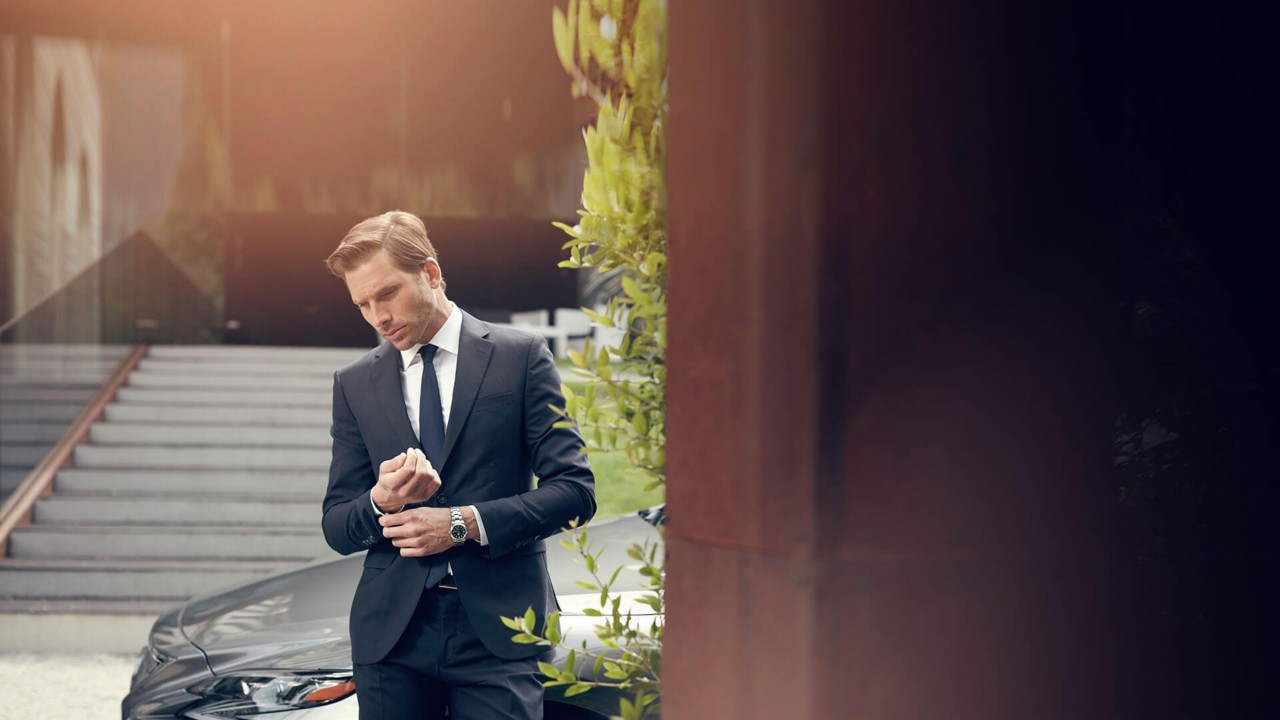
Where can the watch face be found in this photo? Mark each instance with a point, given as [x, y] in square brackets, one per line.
[458, 533]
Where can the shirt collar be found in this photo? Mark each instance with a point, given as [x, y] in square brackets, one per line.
[446, 338]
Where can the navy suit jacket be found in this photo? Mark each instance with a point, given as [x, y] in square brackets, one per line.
[501, 434]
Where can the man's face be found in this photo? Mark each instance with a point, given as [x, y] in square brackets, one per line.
[402, 306]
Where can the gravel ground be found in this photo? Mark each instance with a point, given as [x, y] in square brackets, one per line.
[63, 687]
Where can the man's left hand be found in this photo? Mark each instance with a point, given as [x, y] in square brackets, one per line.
[418, 532]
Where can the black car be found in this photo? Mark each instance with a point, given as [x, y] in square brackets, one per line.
[278, 647]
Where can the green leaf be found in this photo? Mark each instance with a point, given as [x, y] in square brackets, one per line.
[548, 669]
[576, 689]
[530, 619]
[563, 41]
[552, 630]
[602, 320]
[630, 287]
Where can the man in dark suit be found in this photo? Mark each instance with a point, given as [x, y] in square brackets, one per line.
[438, 434]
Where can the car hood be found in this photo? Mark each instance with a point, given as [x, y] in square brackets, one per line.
[298, 618]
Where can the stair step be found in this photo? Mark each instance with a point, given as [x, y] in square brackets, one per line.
[24, 411]
[11, 478]
[33, 394]
[255, 354]
[159, 456]
[26, 611]
[52, 378]
[192, 436]
[141, 379]
[24, 455]
[192, 496]
[167, 542]
[218, 415]
[54, 579]
[126, 510]
[61, 352]
[211, 482]
[309, 368]
[23, 365]
[306, 398]
[31, 432]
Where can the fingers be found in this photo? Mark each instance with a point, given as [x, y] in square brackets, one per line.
[423, 465]
[393, 464]
[414, 533]
[407, 478]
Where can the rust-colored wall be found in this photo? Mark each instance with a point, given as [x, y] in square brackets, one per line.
[887, 418]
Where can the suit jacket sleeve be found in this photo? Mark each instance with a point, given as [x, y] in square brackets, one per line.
[566, 486]
[349, 523]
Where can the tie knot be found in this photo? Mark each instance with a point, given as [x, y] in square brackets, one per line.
[428, 352]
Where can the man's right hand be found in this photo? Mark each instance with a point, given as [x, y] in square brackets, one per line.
[405, 478]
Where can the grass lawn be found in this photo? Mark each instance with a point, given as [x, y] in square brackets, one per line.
[619, 487]
[568, 376]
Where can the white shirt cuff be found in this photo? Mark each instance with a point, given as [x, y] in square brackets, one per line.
[484, 538]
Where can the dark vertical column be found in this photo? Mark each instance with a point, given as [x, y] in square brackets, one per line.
[888, 426]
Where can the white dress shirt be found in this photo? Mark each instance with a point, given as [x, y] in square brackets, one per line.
[445, 365]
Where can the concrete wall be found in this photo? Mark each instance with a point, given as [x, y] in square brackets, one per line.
[56, 206]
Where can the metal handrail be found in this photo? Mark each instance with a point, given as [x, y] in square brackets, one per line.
[17, 510]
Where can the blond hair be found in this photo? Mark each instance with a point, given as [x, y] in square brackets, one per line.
[401, 234]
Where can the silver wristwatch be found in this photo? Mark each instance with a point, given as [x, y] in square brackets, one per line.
[457, 528]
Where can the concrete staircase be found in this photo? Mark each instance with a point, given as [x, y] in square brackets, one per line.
[42, 389]
[208, 469]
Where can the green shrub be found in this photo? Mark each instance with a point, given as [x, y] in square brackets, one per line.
[615, 53]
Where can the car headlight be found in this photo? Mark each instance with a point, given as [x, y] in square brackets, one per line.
[233, 697]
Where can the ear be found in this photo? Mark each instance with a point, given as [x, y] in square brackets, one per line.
[433, 271]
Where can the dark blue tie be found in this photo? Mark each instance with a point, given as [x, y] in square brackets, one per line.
[431, 433]
[430, 412]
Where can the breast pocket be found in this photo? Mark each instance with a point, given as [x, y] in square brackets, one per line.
[492, 402]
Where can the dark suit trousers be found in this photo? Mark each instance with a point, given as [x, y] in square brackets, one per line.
[440, 662]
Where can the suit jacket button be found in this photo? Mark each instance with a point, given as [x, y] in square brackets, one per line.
[442, 499]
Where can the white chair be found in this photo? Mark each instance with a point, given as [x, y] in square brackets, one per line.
[529, 317]
[536, 321]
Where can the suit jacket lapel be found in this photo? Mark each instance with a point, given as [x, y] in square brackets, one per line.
[390, 393]
[474, 349]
